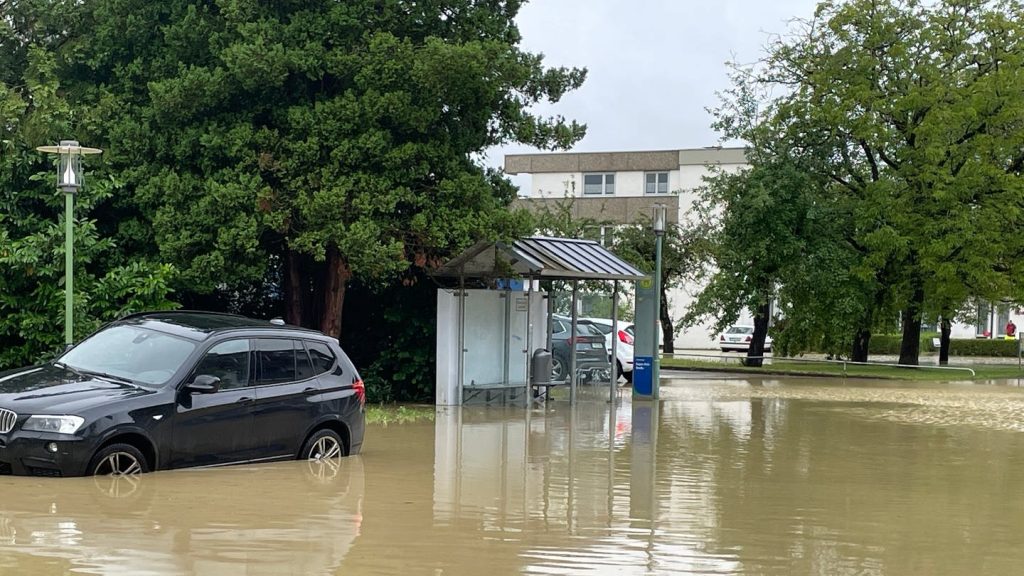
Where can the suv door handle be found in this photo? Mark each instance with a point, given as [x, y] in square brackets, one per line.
[244, 400]
[310, 390]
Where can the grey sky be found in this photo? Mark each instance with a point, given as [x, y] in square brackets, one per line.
[653, 65]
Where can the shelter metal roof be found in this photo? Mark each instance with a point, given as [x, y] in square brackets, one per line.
[541, 257]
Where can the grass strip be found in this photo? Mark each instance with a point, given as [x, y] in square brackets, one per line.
[386, 414]
[795, 367]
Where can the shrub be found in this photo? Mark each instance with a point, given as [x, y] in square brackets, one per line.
[889, 345]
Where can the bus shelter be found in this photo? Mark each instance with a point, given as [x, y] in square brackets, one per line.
[496, 322]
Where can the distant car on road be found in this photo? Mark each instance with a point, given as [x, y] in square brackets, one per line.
[624, 349]
[177, 389]
[737, 339]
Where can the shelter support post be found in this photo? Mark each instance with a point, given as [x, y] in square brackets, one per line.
[462, 334]
[613, 384]
[529, 342]
[572, 343]
[550, 328]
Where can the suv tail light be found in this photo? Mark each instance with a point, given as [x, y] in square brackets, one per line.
[625, 338]
[721, 338]
[360, 389]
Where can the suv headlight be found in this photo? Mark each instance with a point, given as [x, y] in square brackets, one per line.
[58, 424]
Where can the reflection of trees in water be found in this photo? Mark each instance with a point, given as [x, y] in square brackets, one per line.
[273, 519]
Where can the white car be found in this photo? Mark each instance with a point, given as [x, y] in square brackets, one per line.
[624, 350]
[737, 339]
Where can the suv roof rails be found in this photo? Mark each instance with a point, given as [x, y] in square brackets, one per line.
[151, 312]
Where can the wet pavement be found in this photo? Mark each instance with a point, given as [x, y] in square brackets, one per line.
[724, 476]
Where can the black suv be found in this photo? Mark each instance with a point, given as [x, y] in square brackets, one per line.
[167, 390]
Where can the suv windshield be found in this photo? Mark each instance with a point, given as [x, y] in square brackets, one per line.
[129, 352]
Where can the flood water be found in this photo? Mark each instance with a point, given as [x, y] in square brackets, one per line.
[724, 476]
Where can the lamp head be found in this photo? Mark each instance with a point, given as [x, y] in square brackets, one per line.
[660, 216]
[69, 164]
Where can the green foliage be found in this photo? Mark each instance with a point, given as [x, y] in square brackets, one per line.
[889, 344]
[387, 414]
[885, 146]
[340, 135]
[32, 237]
[912, 112]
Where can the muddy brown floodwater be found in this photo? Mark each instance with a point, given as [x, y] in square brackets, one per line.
[724, 476]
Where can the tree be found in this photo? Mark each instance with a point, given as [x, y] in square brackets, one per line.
[315, 141]
[33, 112]
[916, 110]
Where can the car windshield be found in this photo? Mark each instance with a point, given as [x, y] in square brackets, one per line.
[129, 352]
[741, 330]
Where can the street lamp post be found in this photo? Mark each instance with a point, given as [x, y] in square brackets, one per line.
[69, 181]
[659, 233]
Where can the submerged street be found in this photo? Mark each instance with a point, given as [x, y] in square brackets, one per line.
[727, 476]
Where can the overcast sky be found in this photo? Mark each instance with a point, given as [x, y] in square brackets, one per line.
[653, 65]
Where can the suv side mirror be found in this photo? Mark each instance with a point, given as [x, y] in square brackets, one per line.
[204, 384]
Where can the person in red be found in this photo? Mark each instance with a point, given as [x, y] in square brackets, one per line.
[1011, 329]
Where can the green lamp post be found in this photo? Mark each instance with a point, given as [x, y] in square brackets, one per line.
[69, 181]
[660, 211]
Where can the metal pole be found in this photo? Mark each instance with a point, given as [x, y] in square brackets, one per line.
[549, 329]
[69, 262]
[529, 341]
[656, 363]
[615, 343]
[462, 332]
[572, 345]
[507, 340]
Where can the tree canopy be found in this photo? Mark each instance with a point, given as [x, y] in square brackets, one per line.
[332, 140]
[910, 113]
[34, 111]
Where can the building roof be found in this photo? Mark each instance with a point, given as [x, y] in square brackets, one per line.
[637, 161]
[540, 257]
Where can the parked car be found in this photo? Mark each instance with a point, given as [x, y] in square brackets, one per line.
[164, 390]
[624, 349]
[589, 342]
[737, 339]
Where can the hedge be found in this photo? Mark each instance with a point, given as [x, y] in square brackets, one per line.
[889, 344]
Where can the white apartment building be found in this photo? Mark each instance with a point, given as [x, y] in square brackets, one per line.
[623, 186]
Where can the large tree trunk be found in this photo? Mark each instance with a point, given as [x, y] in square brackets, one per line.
[338, 274]
[755, 352]
[668, 333]
[910, 346]
[293, 290]
[946, 328]
[861, 340]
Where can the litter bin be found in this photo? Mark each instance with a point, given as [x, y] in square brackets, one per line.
[541, 375]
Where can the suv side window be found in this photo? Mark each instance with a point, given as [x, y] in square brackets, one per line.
[229, 361]
[303, 367]
[322, 356]
[277, 360]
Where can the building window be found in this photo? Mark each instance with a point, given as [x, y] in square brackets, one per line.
[981, 326]
[598, 184]
[656, 183]
[603, 235]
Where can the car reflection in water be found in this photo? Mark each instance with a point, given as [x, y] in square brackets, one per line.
[286, 518]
